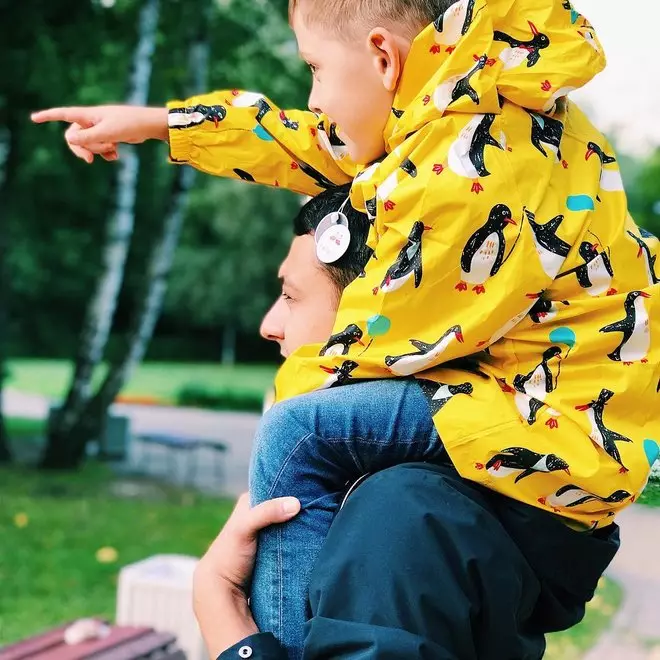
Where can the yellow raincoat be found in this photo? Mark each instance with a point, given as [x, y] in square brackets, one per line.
[500, 228]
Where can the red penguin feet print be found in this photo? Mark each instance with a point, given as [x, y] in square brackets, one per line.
[546, 85]
[623, 470]
[645, 361]
[564, 164]
[552, 424]
[389, 205]
[461, 286]
[477, 188]
[450, 49]
[438, 168]
[612, 292]
[435, 49]
[479, 466]
[479, 289]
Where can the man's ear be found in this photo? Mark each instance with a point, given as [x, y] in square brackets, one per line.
[387, 56]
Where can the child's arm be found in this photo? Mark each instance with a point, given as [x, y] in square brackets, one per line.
[233, 134]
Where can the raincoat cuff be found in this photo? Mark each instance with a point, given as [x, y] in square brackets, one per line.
[181, 140]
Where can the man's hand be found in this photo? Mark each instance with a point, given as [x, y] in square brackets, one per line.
[97, 130]
[222, 576]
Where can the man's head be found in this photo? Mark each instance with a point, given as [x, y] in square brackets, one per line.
[305, 312]
[356, 50]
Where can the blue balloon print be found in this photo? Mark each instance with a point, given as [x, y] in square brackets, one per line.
[563, 336]
[580, 203]
[539, 120]
[378, 325]
[574, 15]
[263, 134]
[652, 451]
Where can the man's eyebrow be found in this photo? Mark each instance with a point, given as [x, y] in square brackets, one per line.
[288, 282]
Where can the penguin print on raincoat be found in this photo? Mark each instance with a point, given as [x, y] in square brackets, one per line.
[499, 231]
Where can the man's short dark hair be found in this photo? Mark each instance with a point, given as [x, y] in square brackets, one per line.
[352, 264]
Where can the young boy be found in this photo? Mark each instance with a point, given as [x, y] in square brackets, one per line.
[499, 229]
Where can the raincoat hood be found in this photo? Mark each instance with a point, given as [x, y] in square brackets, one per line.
[482, 51]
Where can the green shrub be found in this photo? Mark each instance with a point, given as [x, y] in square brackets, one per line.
[200, 396]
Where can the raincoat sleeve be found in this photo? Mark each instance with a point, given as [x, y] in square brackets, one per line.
[243, 135]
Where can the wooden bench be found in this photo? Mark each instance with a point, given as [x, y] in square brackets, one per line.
[123, 643]
[189, 446]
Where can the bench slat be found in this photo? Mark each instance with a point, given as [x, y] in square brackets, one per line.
[117, 637]
[37, 644]
[138, 648]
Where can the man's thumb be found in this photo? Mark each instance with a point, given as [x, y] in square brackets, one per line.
[272, 512]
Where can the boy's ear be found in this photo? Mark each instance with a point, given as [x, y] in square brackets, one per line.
[387, 57]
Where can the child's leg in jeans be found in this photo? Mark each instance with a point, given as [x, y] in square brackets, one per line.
[311, 447]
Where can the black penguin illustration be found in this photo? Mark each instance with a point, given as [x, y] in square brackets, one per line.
[528, 462]
[605, 159]
[548, 381]
[180, 118]
[546, 130]
[334, 139]
[321, 181]
[341, 343]
[534, 406]
[409, 363]
[339, 375]
[398, 113]
[408, 262]
[491, 258]
[464, 88]
[543, 308]
[570, 496]
[645, 251]
[467, 21]
[264, 109]
[480, 140]
[535, 45]
[593, 148]
[291, 125]
[246, 176]
[631, 327]
[589, 252]
[600, 434]
[439, 394]
[409, 167]
[552, 249]
[371, 206]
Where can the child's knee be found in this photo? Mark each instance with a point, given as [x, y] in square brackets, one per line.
[280, 434]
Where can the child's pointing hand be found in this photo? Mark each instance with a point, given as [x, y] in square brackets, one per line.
[97, 130]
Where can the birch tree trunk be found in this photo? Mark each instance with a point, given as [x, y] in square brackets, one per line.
[154, 285]
[65, 450]
[8, 158]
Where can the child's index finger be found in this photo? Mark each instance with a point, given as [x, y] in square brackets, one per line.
[69, 115]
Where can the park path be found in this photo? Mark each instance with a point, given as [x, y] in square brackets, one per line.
[234, 430]
[634, 633]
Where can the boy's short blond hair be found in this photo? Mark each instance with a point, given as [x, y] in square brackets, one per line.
[348, 17]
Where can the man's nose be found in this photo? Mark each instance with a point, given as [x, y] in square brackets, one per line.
[272, 326]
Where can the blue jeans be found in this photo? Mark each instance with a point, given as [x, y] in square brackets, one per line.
[313, 447]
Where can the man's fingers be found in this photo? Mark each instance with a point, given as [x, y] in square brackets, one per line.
[70, 115]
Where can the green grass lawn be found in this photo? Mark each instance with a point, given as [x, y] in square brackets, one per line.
[651, 494]
[572, 644]
[52, 526]
[162, 380]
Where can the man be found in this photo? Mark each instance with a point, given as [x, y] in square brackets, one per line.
[419, 563]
